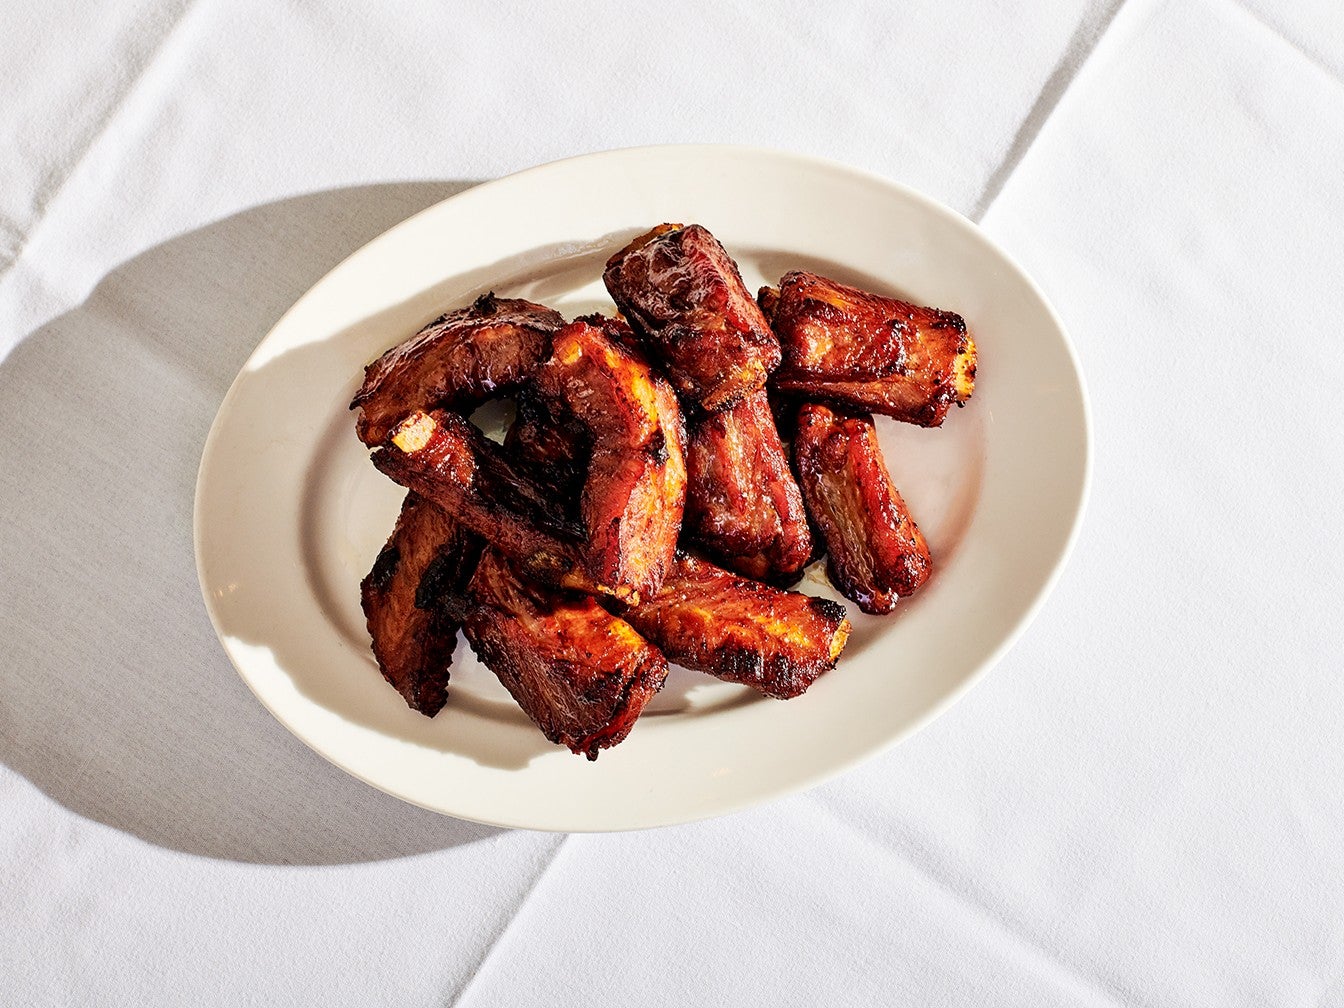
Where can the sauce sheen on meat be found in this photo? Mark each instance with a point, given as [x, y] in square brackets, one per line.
[684, 297]
[867, 352]
[875, 551]
[458, 361]
[634, 484]
[407, 600]
[711, 620]
[446, 459]
[742, 503]
[580, 673]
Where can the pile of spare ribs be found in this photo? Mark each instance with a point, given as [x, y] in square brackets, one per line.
[643, 508]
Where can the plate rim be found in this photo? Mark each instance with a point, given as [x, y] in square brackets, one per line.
[806, 781]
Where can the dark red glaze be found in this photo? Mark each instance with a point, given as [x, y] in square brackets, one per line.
[634, 484]
[685, 299]
[876, 553]
[868, 352]
[742, 503]
[407, 601]
[709, 619]
[457, 362]
[582, 674]
[550, 446]
[447, 460]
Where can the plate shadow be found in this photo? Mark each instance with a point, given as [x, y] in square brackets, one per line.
[115, 698]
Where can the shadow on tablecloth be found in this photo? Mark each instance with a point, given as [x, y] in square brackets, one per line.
[115, 698]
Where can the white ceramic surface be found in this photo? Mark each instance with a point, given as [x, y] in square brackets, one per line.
[289, 512]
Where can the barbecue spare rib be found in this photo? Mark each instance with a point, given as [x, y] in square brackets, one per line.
[875, 551]
[634, 487]
[742, 503]
[582, 674]
[458, 361]
[866, 352]
[711, 620]
[685, 299]
[407, 599]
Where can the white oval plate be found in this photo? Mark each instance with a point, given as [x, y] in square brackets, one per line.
[290, 513]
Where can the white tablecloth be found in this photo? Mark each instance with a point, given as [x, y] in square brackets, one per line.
[1140, 805]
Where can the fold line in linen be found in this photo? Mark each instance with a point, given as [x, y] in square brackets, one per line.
[1080, 47]
[50, 192]
[1068, 976]
[1254, 17]
[457, 996]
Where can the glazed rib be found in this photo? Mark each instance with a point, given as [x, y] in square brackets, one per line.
[406, 600]
[553, 450]
[876, 553]
[580, 673]
[706, 618]
[634, 487]
[447, 460]
[742, 503]
[880, 354]
[684, 297]
[456, 362]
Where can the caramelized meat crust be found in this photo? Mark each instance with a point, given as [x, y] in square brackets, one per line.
[447, 460]
[867, 352]
[876, 551]
[685, 298]
[407, 596]
[777, 642]
[742, 503]
[552, 449]
[456, 362]
[634, 487]
[886, 396]
[580, 673]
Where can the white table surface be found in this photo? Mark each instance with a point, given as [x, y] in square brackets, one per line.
[1141, 805]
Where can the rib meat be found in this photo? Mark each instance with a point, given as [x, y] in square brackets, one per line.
[876, 551]
[427, 560]
[777, 642]
[580, 673]
[447, 460]
[847, 346]
[553, 450]
[456, 362]
[684, 296]
[742, 503]
[634, 487]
